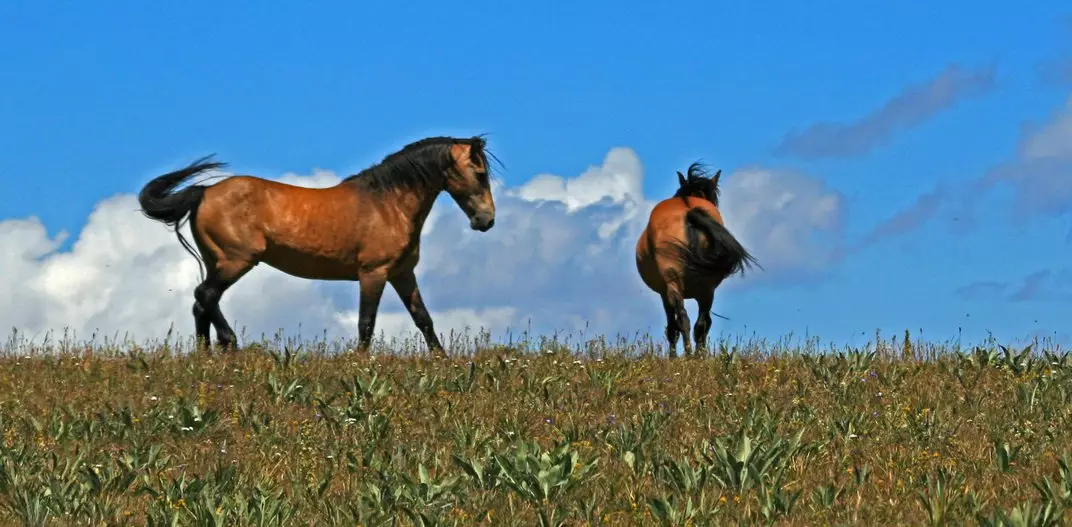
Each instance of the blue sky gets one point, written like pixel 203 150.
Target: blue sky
pixel 96 100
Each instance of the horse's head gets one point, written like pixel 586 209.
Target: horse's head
pixel 469 183
pixel 697 184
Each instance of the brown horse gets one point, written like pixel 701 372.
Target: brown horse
pixel 367 228
pixel 686 252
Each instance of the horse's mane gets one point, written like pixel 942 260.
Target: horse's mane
pixel 697 179
pixel 418 164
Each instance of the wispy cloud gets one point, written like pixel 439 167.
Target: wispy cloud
pixel 1056 72
pixel 1041 174
pixel 1041 285
pixel 914 105
pixel 907 220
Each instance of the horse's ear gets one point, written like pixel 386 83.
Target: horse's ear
pixel 681 178
pixel 715 177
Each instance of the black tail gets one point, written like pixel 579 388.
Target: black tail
pixel 724 255
pixel 160 201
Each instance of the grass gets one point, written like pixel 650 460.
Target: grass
pixel 894 433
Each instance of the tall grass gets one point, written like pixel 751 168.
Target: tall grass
pixel 535 432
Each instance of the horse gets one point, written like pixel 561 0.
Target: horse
pixel 685 252
pixel 367 228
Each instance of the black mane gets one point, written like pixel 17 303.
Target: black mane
pixel 698 180
pixel 419 164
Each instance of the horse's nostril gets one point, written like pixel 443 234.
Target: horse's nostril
pixel 491 223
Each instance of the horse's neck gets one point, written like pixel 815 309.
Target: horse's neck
pixel 416 205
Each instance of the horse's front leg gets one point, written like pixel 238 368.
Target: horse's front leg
pixel 372 284
pixel 405 284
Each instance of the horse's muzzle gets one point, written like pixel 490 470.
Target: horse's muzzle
pixel 482 221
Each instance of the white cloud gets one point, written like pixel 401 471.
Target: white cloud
pixel 788 220
pixel 618 179
pixel 560 257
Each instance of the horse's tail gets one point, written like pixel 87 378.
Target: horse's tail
pixel 160 201
pixel 723 256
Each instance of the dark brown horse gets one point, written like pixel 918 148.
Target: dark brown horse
pixel 685 252
pixel 367 228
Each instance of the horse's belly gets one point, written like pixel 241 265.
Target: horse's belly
pixel 312 266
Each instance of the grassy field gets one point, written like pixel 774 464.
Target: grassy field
pixel 893 433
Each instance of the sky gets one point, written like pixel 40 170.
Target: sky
pixel 908 167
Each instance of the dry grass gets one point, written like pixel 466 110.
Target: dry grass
pixel 891 434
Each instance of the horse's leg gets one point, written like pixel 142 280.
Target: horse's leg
pixel 372 285
pixel 405 284
pixel 202 317
pixel 202 323
pixel 676 315
pixel 671 327
pixel 703 320
pixel 208 295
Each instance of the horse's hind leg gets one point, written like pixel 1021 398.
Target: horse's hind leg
pixel 703 321
pixel 677 321
pixel 671 327
pixel 207 300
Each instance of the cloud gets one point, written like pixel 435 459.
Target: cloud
pixel 926 207
pixel 914 105
pixel 1041 174
pixel 791 222
pixel 1057 72
pixel 561 257
pixel 1038 286
pixel 908 219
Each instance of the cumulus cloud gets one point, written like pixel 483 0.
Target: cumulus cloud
pixel 561 257
pixel 788 220
pixel 913 106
